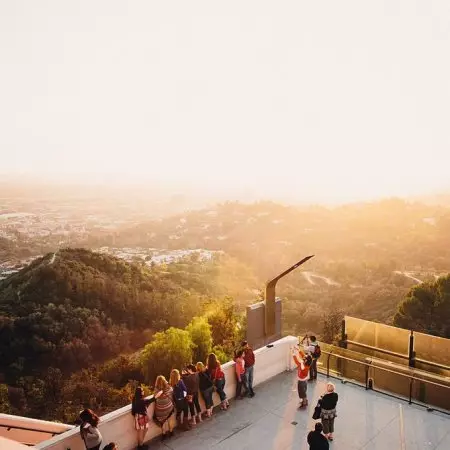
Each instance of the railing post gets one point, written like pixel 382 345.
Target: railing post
pixel 411 381
pixel 343 341
pixel 328 364
pixel 411 352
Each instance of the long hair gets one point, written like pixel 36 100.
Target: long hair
pixel 212 361
pixel 174 377
pixel 88 416
pixel 138 396
pixel 161 383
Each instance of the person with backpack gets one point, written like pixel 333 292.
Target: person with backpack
pixel 313 348
pixel 303 363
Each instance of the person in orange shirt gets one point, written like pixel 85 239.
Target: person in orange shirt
pixel 303 363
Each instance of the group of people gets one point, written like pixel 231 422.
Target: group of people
pixel 305 358
pixel 179 396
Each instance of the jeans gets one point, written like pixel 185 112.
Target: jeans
pixel 207 396
pixel 241 383
pixel 249 379
pixel 313 369
pixel 194 405
pixel 302 387
pixel 220 385
pixel 182 407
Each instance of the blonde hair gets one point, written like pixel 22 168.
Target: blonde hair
pixel 330 387
pixel 174 377
pixel 200 367
pixel 160 383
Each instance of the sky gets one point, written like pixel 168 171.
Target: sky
pixel 323 100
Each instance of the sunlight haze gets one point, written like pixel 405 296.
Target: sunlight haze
pixel 323 100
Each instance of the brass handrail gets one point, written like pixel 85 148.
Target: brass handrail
pixel 385 369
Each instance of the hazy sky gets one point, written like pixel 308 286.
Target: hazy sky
pixel 333 100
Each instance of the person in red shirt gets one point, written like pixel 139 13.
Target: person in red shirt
pixel 303 363
pixel 249 360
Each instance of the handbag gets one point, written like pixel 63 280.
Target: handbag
pixel 317 411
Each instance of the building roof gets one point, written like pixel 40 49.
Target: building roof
pixel 7 444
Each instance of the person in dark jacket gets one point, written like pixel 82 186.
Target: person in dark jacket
pixel 328 404
pixel 249 360
pixel 190 378
pixel 180 400
pixel 316 440
pixel 206 387
pixel 139 407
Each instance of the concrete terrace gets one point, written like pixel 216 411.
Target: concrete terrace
pixel 270 421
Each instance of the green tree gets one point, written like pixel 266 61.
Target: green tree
pixel 200 332
pixel 224 324
pixel 169 349
pixel 426 308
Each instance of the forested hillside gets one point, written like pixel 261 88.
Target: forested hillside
pixel 76 309
pixel 368 255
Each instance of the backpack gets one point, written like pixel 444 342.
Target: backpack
pixel 317 352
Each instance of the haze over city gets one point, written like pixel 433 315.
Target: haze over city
pixel 318 101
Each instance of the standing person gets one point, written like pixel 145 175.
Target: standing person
pixel 139 410
pixel 240 374
pixel 313 348
pixel 316 440
pixel 206 387
pixel 179 396
pixel 88 429
pixel 328 404
pixel 190 378
pixel 303 363
pixel 163 406
pixel 218 378
pixel 249 360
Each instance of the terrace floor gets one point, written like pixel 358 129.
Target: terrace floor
pixel 366 420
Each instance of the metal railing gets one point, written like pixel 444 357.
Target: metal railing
pixel 397 355
pixel 369 382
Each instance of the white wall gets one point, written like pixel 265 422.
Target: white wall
pixel 118 426
pixel 27 430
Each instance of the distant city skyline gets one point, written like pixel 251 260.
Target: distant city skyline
pixel 324 102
